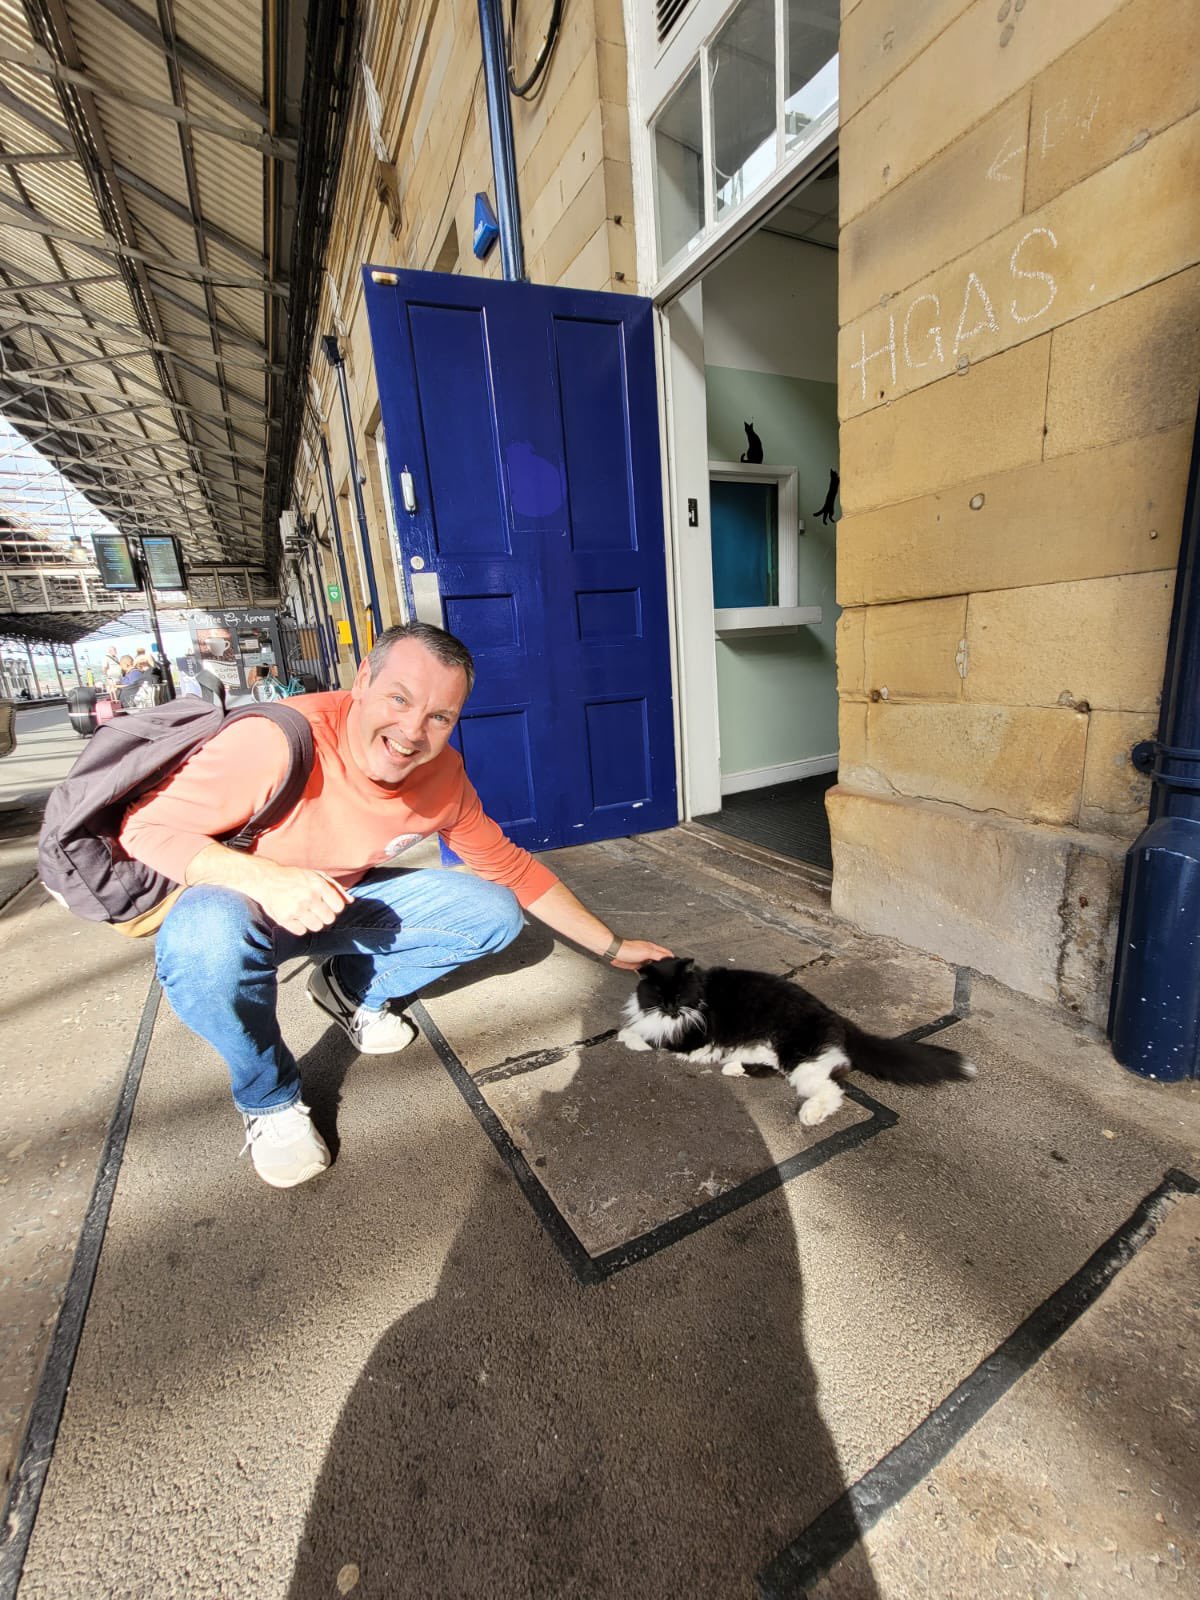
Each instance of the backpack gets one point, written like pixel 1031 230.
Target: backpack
pixel 79 860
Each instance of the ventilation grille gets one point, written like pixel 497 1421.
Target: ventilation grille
pixel 666 14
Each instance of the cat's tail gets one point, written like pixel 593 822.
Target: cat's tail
pixel 903 1061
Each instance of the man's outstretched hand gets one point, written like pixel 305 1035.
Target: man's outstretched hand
pixel 559 909
pixel 634 953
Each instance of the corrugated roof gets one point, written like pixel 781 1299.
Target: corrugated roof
pixel 146 301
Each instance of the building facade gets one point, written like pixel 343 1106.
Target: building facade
pixel 948 250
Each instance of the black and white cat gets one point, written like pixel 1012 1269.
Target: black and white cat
pixel 752 1022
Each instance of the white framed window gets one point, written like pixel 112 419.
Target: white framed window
pixel 755 527
pixel 739 97
pixel 680 204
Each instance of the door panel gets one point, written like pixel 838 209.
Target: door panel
pixel 450 357
pixel 528 419
pixel 592 384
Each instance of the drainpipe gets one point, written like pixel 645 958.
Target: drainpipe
pixel 1154 1019
pixel 335 528
pixel 504 160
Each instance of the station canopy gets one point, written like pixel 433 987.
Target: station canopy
pixel 167 169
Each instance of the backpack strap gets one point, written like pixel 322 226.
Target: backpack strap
pixel 298 732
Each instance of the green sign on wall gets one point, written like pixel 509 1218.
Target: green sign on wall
pixel 335 592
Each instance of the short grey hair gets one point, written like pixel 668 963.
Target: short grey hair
pixel 451 652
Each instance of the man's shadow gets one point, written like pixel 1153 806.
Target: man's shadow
pixel 520 1435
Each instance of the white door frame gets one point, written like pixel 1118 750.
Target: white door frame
pixel 683 430
pixel 683 417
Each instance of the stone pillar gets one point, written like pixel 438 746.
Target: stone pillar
pixel 1017 387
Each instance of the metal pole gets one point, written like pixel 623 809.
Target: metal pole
pixel 75 661
pixel 1154 1019
pixel 336 531
pixel 504 161
pixel 334 356
pixel 148 587
pixel 57 670
pixel 36 691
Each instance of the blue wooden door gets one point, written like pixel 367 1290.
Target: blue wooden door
pixel 526 419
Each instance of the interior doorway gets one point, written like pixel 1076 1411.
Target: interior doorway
pixel 753 372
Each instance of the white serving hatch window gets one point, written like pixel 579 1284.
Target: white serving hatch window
pixel 755 523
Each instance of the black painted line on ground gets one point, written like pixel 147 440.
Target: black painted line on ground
pixel 41 1431
pixel 544 1208
pixel 590 1270
pixel 914 1035
pixel 961 1011
pixel 962 992
pixel 762 1183
pixel 535 1060
pixel 840 1527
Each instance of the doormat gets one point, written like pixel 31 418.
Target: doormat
pixel 788 818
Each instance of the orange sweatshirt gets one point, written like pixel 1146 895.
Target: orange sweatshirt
pixel 345 824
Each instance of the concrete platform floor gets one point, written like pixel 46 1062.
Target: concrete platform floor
pixel 563 1321
pixel 46 747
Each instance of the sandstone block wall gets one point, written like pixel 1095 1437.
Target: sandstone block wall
pixel 1019 358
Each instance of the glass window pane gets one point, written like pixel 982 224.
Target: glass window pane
pixel 811 85
pixel 679 169
pixel 742 85
pixel 745 543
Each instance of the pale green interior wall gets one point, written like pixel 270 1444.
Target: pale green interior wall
pixel 777 694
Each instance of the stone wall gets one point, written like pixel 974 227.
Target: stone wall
pixel 575 190
pixel 1018 367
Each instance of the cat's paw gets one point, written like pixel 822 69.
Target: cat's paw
pixel 820 1105
pixel 632 1041
pixel 733 1069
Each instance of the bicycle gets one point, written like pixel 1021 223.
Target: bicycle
pixel 274 689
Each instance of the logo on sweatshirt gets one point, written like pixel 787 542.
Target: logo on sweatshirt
pixel 401 843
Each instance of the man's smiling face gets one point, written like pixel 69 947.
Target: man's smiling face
pixel 404 716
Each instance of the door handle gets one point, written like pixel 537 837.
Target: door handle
pixel 427 598
pixel 407 492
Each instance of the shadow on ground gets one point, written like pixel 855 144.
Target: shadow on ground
pixel 520 1435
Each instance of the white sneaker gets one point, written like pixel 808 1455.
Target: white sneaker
pixel 374 1033
pixel 285 1147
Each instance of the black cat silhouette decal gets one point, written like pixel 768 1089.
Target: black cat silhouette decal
pixel 754 450
pixel 826 511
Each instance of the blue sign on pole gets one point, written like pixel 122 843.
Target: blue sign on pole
pixel 487 229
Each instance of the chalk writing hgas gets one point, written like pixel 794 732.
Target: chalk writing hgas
pixel 925 336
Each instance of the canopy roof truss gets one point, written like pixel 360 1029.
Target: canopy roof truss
pixel 166 174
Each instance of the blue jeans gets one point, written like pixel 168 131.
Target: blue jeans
pixel 218 953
